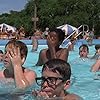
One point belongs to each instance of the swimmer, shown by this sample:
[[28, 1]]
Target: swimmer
[[83, 51], [97, 53], [34, 44], [96, 66], [14, 58], [54, 39], [55, 81]]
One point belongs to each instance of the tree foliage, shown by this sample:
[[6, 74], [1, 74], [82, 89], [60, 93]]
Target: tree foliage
[[53, 13]]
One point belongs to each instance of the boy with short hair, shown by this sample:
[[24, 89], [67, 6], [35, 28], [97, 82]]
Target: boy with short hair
[[83, 51], [55, 81], [54, 39], [14, 58]]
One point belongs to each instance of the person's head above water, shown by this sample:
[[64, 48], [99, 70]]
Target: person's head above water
[[15, 44], [97, 48], [55, 77], [55, 80], [57, 35], [14, 58], [83, 51], [22, 46], [58, 66]]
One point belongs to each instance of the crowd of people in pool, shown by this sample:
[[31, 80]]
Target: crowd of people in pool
[[56, 71]]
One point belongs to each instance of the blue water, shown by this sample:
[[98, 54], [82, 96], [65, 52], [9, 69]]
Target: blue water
[[83, 82]]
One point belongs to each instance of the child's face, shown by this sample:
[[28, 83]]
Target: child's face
[[83, 52], [53, 37], [52, 83], [7, 61]]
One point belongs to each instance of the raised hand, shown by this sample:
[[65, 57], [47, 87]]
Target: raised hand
[[15, 57]]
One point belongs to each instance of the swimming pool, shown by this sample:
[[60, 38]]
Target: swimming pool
[[83, 82]]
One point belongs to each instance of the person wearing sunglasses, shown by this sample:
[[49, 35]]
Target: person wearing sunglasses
[[55, 81]]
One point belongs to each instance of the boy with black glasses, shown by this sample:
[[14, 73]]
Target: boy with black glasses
[[55, 81]]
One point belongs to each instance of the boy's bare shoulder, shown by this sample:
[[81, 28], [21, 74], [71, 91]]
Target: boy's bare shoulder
[[65, 49], [72, 97], [43, 51]]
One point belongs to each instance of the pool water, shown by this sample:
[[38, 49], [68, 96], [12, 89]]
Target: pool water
[[83, 82]]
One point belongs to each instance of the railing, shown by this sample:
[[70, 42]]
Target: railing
[[72, 33], [79, 32]]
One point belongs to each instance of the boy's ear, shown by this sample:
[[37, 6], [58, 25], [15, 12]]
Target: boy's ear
[[67, 84], [23, 60]]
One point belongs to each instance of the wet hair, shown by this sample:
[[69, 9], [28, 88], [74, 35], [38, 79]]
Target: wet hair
[[22, 46], [97, 46], [58, 65], [60, 33], [84, 46], [1, 51]]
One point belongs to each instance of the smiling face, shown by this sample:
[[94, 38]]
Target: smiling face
[[53, 37], [56, 36]]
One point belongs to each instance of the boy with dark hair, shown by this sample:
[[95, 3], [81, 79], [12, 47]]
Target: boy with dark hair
[[55, 81], [54, 40], [14, 58], [83, 51]]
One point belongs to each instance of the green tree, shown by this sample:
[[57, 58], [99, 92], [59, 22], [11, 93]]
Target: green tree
[[53, 13]]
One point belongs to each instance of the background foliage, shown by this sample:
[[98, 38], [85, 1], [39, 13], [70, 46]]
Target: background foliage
[[53, 13]]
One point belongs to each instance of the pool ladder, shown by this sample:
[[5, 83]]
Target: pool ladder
[[77, 34]]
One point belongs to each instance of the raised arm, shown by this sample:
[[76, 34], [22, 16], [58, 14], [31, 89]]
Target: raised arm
[[96, 66], [55, 51], [23, 79]]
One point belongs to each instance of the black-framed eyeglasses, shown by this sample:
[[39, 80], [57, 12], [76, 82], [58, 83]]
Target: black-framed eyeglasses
[[50, 80]]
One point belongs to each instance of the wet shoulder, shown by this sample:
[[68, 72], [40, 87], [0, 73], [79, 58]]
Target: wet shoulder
[[43, 51], [63, 49], [72, 97]]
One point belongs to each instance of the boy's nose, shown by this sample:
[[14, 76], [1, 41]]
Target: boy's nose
[[45, 83]]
